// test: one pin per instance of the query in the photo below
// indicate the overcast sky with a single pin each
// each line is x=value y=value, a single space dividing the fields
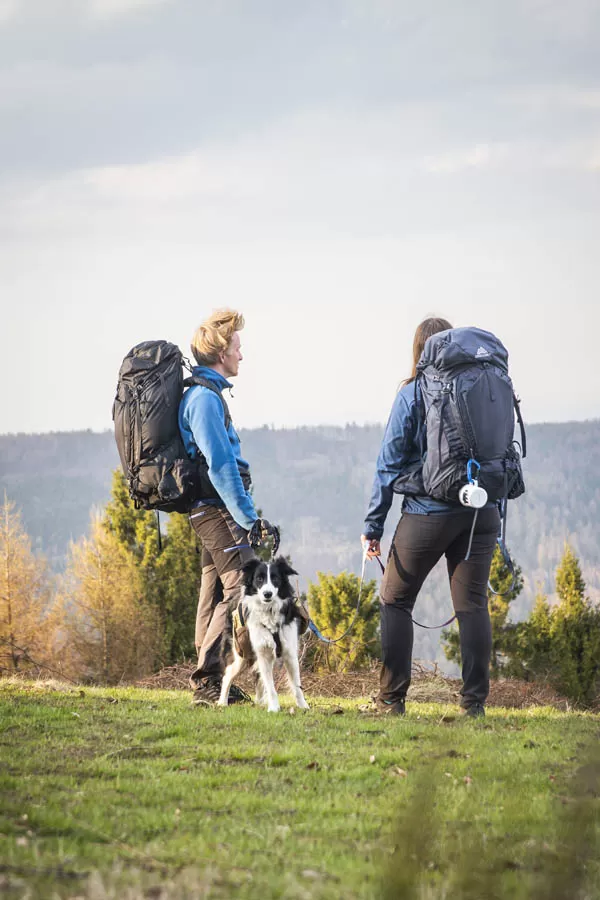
x=336 y=169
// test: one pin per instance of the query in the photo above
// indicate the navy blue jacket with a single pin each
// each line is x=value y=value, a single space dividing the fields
x=202 y=425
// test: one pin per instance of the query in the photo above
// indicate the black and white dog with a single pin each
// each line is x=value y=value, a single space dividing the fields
x=267 y=623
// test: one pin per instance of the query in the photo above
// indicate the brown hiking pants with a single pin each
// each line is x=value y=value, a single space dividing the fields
x=225 y=549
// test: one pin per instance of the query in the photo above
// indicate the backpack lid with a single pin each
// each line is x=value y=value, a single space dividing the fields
x=145 y=357
x=457 y=347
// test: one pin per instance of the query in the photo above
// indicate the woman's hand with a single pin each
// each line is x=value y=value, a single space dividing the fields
x=370 y=546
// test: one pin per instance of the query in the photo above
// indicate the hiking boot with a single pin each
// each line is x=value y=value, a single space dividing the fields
x=475 y=711
x=237 y=695
x=207 y=691
x=391 y=707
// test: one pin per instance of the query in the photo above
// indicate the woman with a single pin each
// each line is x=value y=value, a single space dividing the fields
x=427 y=529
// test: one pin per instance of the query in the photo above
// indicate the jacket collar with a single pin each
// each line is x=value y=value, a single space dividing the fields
x=211 y=375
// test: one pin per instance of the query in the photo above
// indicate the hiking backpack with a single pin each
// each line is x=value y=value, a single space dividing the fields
x=469 y=407
x=159 y=472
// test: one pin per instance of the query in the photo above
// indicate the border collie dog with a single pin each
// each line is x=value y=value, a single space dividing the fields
x=266 y=625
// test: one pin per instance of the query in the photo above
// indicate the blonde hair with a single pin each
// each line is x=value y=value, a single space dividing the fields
x=214 y=335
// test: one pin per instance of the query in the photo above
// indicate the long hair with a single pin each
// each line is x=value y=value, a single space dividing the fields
x=424 y=331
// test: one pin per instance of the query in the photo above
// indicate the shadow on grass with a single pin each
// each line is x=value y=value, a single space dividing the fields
x=474 y=862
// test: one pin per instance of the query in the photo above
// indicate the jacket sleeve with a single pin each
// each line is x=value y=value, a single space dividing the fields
x=205 y=419
x=396 y=450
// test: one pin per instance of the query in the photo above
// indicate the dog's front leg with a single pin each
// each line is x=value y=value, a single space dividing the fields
x=289 y=652
x=260 y=698
x=231 y=672
x=265 y=660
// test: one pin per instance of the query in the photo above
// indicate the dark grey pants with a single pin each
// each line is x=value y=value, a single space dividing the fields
x=225 y=549
x=419 y=542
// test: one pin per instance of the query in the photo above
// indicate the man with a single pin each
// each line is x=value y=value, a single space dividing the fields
x=222 y=521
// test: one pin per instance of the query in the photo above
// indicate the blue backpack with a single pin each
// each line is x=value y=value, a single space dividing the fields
x=469 y=406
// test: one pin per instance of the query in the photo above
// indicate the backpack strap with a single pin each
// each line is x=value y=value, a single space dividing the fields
x=517 y=404
x=204 y=382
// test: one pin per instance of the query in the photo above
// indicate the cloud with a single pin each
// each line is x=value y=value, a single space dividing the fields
x=116 y=9
x=553 y=98
x=561 y=154
x=480 y=156
x=8 y=8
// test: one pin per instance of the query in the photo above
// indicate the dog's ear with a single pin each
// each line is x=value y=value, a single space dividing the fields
x=284 y=566
x=249 y=569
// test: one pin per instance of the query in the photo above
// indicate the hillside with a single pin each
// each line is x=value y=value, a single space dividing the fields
x=315 y=483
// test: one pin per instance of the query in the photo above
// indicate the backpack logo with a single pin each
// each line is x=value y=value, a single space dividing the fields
x=481 y=351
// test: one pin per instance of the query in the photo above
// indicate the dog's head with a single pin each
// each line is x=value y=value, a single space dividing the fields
x=268 y=580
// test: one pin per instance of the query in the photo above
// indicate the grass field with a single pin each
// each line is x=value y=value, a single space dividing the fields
x=133 y=794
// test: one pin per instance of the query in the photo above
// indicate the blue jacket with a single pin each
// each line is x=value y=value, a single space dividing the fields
x=401 y=452
x=202 y=425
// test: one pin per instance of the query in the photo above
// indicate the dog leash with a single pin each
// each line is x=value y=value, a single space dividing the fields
x=327 y=640
x=414 y=621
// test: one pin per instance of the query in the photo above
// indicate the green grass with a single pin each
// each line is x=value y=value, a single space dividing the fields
x=129 y=793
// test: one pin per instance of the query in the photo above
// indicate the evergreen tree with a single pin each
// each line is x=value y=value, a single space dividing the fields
x=507 y=585
x=129 y=525
x=332 y=603
x=562 y=643
x=529 y=644
x=169 y=573
x=575 y=634
x=178 y=572
x=25 y=618
x=570 y=585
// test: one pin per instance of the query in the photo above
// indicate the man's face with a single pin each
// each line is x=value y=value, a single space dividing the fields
x=232 y=357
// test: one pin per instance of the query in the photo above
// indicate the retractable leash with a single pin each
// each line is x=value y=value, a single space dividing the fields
x=414 y=621
x=474 y=496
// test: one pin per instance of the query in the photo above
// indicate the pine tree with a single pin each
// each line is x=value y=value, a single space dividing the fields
x=562 y=643
x=25 y=616
x=169 y=573
x=332 y=603
x=575 y=633
x=529 y=644
x=121 y=518
x=178 y=572
x=507 y=585
x=570 y=585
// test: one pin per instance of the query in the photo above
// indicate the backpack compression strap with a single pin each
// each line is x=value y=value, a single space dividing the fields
x=517 y=404
x=204 y=382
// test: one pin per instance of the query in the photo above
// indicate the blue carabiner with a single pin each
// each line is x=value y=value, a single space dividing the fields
x=472 y=462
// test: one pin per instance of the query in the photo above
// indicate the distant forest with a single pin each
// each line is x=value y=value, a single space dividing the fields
x=315 y=483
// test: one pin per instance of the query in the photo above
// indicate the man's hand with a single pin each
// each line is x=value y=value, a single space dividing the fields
x=370 y=546
x=261 y=530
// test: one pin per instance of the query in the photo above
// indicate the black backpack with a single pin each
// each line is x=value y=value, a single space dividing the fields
x=158 y=470
x=469 y=406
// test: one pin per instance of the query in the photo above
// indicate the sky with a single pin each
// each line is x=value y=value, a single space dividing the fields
x=335 y=169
